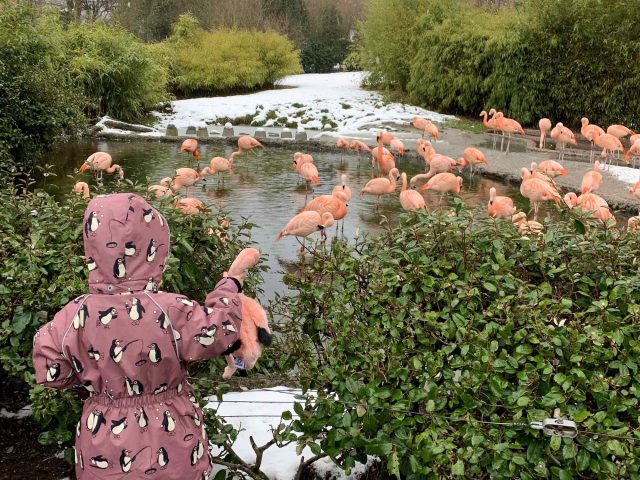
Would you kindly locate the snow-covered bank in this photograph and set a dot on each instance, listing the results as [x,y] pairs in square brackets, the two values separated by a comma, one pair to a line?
[255,413]
[311,100]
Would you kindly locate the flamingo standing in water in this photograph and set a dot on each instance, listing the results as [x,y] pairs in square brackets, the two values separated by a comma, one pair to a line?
[591,180]
[490,124]
[632,153]
[100,162]
[81,188]
[383,157]
[304,224]
[218,165]
[381,186]
[306,169]
[342,144]
[439,164]
[162,189]
[397,145]
[189,206]
[245,144]
[409,198]
[499,206]
[562,135]
[359,146]
[426,151]
[443,182]
[507,126]
[335,204]
[545,125]
[187,177]
[190,145]
[537,190]
[587,130]
[343,187]
[385,136]
[472,156]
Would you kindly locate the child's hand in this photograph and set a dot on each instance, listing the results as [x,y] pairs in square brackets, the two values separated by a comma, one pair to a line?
[246,259]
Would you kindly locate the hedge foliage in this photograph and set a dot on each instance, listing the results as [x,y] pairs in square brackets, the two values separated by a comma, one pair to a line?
[204,62]
[559,60]
[42,267]
[416,340]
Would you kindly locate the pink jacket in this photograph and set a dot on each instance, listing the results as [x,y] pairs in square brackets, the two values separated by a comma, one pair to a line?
[128,344]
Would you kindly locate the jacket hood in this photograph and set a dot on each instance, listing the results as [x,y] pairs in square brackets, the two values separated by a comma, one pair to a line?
[126,244]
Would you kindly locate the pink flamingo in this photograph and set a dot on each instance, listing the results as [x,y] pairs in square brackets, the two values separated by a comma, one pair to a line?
[443,182]
[383,157]
[409,198]
[218,165]
[562,135]
[81,188]
[342,144]
[162,189]
[595,205]
[190,145]
[343,187]
[471,156]
[335,204]
[397,145]
[306,223]
[591,180]
[634,222]
[307,171]
[619,131]
[551,168]
[359,146]
[385,136]
[536,173]
[186,177]
[498,206]
[426,151]
[507,126]
[545,125]
[537,191]
[587,130]
[526,227]
[100,162]
[608,143]
[490,124]
[245,144]
[439,164]
[189,206]
[634,191]
[381,186]
[634,150]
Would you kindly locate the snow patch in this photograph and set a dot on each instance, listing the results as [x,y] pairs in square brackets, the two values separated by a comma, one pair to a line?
[624,174]
[310,100]
[277,463]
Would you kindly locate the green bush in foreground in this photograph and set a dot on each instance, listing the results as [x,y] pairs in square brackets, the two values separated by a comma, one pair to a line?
[444,323]
[226,59]
[43,268]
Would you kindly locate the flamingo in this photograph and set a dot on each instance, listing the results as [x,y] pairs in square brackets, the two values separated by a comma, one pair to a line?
[608,143]
[385,136]
[536,173]
[381,186]
[359,146]
[189,206]
[299,158]
[634,222]
[218,165]
[545,125]
[537,190]
[634,150]
[595,205]
[619,131]
[472,156]
[383,157]
[343,187]
[562,135]
[81,188]
[526,227]
[342,144]
[431,130]
[507,126]
[587,130]
[418,122]
[409,198]
[551,168]
[190,145]
[397,145]
[162,189]
[186,177]
[634,191]
[308,172]
[306,223]
[490,124]
[426,151]
[245,144]
[439,164]
[443,182]
[591,180]
[100,162]
[335,204]
[499,206]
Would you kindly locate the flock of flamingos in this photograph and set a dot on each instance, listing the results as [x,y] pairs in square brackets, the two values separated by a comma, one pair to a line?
[322,211]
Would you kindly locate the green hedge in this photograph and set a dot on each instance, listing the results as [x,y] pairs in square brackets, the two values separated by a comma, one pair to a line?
[222,60]
[418,339]
[545,58]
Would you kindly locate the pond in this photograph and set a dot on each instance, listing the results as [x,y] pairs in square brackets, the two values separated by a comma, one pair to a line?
[265,189]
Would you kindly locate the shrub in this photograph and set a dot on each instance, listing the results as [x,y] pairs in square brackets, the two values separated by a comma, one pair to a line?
[418,339]
[42,267]
[119,75]
[227,59]
[37,100]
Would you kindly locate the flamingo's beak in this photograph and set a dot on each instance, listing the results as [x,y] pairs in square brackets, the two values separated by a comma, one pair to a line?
[83,167]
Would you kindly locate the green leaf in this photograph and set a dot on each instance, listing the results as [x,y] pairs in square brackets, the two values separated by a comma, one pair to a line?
[579,226]
[458,468]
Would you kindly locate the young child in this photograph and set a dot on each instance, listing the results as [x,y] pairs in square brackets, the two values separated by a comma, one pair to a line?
[128,344]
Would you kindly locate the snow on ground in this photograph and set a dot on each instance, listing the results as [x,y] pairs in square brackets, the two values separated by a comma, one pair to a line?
[624,174]
[105,129]
[312,101]
[277,463]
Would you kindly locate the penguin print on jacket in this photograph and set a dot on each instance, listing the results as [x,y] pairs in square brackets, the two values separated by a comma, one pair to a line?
[100,462]
[168,423]
[151,285]
[119,267]
[117,350]
[126,461]
[93,354]
[95,420]
[228,327]
[118,426]
[137,387]
[78,458]
[129,249]
[135,311]
[163,322]
[147,215]
[87,384]
[163,458]
[92,224]
[197,453]
[141,418]
[91,264]
[152,249]
[80,317]
[53,372]
[128,386]
[204,338]
[160,389]
[105,316]
[185,301]
[77,365]
[155,356]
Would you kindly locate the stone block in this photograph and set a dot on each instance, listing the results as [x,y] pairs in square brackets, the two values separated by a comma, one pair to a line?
[172,131]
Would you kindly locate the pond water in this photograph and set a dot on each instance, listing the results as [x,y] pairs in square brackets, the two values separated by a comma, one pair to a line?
[265,189]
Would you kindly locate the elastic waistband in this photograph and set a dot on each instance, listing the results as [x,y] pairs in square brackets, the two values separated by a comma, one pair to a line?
[136,400]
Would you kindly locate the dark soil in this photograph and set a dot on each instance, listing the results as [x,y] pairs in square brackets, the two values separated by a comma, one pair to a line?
[21,456]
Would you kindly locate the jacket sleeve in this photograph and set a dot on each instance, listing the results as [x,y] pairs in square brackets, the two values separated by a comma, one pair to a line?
[52,365]
[212,330]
